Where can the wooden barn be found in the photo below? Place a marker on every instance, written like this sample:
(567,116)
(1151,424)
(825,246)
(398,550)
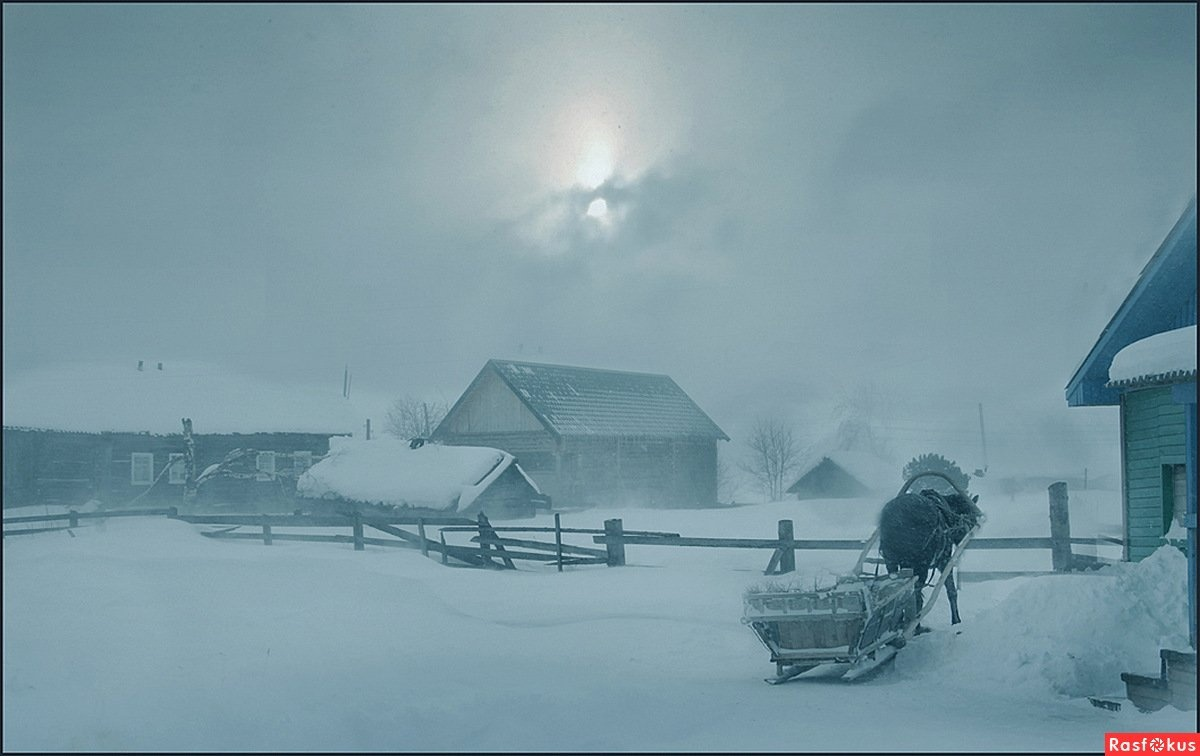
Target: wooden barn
(1145,362)
(114,434)
(845,474)
(590,436)
(390,475)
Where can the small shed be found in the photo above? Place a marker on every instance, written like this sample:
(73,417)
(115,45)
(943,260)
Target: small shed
(390,474)
(114,433)
(1145,362)
(592,436)
(844,474)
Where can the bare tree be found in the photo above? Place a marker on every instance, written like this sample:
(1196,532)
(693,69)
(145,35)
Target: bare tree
(412,418)
(774,456)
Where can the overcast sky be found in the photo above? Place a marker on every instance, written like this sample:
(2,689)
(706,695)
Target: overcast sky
(932,206)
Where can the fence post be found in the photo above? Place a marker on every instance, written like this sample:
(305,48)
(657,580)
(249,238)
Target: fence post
(613,543)
(266,526)
(1060,528)
(74,521)
(358,536)
(787,549)
(558,540)
(172,512)
(442,536)
(421,532)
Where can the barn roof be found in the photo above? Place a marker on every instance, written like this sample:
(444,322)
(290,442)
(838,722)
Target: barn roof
(576,401)
(388,471)
(100,397)
(1162,299)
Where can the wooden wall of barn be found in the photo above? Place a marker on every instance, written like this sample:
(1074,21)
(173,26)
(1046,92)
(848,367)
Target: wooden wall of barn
(1152,445)
(54,467)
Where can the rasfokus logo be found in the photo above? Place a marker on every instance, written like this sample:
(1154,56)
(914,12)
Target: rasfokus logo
(1151,742)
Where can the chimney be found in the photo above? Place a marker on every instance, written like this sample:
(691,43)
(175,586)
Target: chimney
(140,364)
(160,366)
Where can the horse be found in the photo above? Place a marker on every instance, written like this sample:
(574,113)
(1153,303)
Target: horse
(920,531)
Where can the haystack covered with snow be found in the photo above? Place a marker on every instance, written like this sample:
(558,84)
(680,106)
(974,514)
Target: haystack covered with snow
(388,472)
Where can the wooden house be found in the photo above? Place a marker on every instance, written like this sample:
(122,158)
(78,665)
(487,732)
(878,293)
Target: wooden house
(114,434)
(590,436)
(845,474)
(1145,362)
(391,475)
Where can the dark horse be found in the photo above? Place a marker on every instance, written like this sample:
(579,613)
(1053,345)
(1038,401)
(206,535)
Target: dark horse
(920,531)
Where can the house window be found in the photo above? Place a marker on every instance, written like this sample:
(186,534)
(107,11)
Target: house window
(265,464)
(301,461)
(178,474)
(141,468)
(1174,494)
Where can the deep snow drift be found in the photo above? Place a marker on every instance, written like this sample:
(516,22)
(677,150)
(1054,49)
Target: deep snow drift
(140,634)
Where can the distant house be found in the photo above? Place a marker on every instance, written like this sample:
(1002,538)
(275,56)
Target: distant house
(1145,362)
(592,437)
(115,434)
(387,473)
(846,474)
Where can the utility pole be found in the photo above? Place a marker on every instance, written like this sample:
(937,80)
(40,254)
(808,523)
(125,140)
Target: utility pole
(982,439)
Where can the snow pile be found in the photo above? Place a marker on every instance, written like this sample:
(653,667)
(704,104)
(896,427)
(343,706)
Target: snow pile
(386,471)
(1073,634)
(93,398)
(1163,354)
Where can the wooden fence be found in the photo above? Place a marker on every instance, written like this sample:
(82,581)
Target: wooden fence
(492,549)
(785,545)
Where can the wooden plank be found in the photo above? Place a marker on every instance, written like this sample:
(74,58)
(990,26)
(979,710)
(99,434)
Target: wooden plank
(566,547)
(323,521)
(308,538)
(91,515)
(30,531)
(581,531)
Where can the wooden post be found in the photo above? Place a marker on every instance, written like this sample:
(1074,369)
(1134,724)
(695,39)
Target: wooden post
(614,545)
(558,540)
(443,537)
(787,551)
(1060,528)
(358,533)
(172,512)
(189,463)
(421,532)
(74,521)
(266,526)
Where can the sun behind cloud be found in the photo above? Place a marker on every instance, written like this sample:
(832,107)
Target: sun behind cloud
(595,165)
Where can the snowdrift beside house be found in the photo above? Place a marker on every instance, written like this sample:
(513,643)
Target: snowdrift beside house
(387,472)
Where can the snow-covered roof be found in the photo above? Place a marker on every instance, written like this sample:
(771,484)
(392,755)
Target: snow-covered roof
(874,472)
(94,398)
(591,401)
(1167,356)
(386,471)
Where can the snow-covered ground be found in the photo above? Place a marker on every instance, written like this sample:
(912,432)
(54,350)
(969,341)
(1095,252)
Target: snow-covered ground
(140,634)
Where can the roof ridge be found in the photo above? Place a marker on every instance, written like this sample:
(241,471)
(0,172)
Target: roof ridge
(578,367)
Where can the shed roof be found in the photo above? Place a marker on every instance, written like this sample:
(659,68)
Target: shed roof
(1163,298)
(593,402)
(875,473)
(388,471)
(99,397)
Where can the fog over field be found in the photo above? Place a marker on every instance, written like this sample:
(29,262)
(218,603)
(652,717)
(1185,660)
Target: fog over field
(934,207)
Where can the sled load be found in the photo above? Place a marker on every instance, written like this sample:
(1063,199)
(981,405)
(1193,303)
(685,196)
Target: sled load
(864,618)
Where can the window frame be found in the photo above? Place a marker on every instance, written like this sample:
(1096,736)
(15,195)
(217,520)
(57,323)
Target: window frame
(134,457)
(261,471)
